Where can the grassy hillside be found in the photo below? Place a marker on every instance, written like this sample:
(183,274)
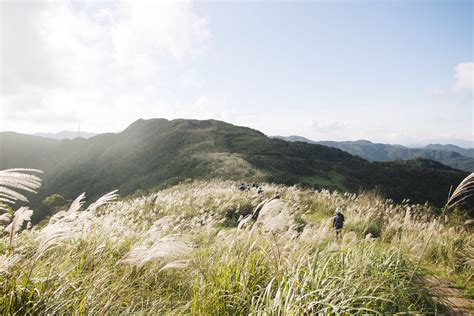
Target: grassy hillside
(450,155)
(158,153)
(196,249)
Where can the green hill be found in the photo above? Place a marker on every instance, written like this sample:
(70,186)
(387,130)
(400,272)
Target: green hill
(158,153)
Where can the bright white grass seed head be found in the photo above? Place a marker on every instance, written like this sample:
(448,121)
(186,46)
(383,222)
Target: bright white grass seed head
(462,192)
(103,200)
(75,206)
(166,248)
(178,264)
(77,203)
(13,180)
(6,262)
(22,215)
(71,224)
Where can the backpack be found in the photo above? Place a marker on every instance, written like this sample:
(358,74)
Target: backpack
(339,221)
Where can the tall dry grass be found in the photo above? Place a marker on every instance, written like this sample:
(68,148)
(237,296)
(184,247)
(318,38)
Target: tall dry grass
(196,249)
(14,180)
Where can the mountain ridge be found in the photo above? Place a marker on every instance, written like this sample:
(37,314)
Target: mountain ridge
(159,152)
(447,154)
(66,135)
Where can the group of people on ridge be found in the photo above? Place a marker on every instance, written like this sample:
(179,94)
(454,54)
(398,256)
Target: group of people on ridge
(244,187)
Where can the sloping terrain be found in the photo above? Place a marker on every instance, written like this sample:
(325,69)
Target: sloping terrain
(158,153)
(206,248)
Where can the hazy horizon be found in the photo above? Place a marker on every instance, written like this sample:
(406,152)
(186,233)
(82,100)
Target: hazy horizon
(464,143)
(389,72)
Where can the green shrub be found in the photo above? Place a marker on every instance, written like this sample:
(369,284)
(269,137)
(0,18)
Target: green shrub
(233,214)
(373,228)
(54,201)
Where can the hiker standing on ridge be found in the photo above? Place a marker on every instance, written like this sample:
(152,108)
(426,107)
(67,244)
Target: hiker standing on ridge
(338,222)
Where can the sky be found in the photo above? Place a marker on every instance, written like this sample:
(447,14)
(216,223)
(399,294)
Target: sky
(387,71)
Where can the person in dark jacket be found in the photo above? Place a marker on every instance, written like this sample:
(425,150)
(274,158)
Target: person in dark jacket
(338,222)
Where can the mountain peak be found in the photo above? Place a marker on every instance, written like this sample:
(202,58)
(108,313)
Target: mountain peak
(142,123)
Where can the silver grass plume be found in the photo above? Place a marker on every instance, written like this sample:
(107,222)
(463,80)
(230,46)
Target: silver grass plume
(77,203)
(23,214)
(462,192)
(13,180)
(243,222)
(6,262)
(68,225)
(168,247)
(75,206)
(103,200)
(62,230)
(178,264)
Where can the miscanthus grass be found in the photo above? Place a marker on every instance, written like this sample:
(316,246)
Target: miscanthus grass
(14,180)
(206,248)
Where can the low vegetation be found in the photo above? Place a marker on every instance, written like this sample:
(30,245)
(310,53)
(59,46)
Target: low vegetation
(204,247)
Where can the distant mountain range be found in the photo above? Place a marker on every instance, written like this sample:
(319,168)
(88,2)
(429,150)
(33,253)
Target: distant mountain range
(66,135)
(158,152)
(468,152)
(450,155)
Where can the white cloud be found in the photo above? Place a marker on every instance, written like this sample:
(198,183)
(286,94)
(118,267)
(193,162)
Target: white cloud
(77,61)
(325,127)
(464,74)
(169,26)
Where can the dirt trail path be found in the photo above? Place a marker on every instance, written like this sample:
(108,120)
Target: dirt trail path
(455,298)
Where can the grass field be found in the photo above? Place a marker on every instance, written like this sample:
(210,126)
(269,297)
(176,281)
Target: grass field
(196,248)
